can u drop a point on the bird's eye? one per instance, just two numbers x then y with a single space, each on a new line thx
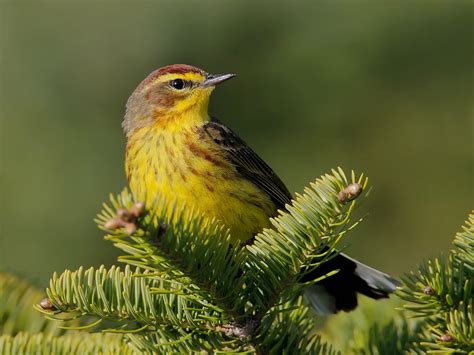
178 84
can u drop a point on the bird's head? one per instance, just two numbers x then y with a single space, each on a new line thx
170 94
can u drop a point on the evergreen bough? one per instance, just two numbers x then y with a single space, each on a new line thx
434 312
186 288
441 293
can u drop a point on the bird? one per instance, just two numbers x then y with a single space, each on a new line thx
175 149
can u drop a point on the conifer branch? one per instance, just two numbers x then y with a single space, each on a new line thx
129 300
181 341
199 290
437 319
187 288
73 343
399 336
25 331
189 249
442 292
302 239
17 298
290 327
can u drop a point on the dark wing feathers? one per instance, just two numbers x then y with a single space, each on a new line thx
248 163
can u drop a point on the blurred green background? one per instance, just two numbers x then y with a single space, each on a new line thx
385 88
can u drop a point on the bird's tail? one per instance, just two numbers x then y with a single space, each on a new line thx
339 291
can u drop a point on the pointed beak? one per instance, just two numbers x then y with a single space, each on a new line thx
214 79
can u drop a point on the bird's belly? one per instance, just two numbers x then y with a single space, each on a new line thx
242 211
204 184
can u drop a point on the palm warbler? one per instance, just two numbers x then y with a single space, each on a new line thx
176 150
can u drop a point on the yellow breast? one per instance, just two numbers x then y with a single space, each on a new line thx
185 167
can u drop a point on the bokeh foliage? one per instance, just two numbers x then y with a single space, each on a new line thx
383 87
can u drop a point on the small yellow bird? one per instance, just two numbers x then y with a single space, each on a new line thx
176 150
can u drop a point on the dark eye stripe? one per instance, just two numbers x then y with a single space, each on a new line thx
180 84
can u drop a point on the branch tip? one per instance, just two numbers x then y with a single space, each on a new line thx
350 193
429 291
46 304
447 338
127 219
239 331
137 209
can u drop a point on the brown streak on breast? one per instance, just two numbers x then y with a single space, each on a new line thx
209 187
190 167
228 176
200 152
169 151
194 171
130 153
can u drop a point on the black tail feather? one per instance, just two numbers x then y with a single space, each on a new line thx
339 291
